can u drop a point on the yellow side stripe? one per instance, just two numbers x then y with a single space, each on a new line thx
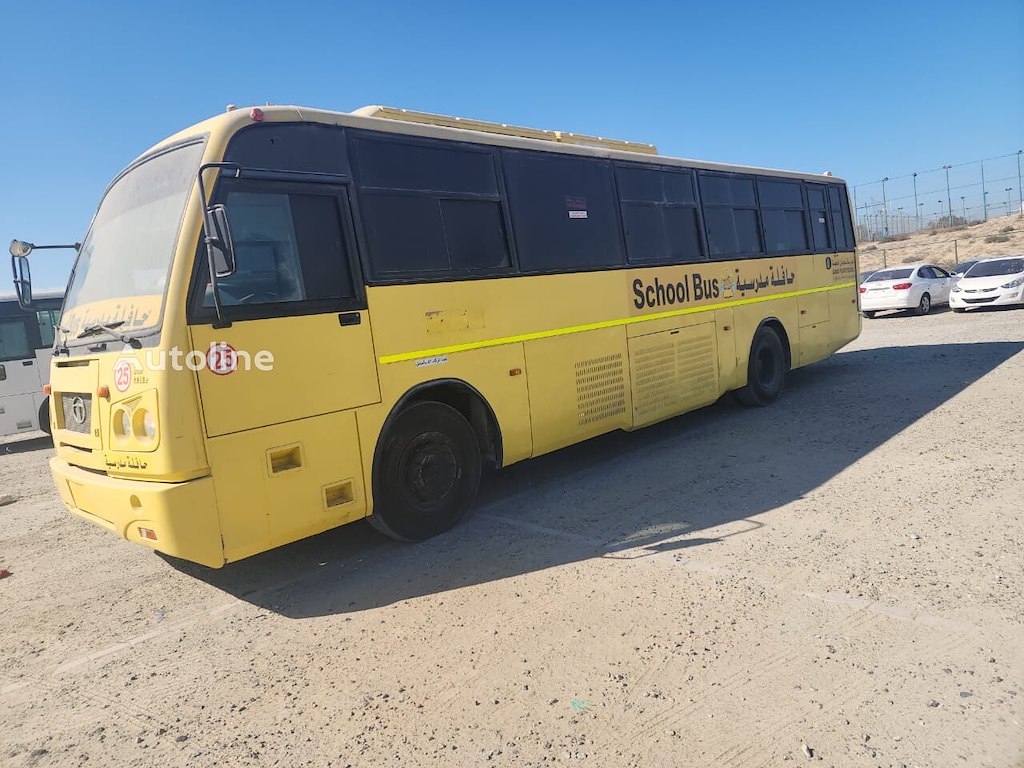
422 353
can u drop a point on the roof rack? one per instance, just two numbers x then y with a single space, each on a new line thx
469 124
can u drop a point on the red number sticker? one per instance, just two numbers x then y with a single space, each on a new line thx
222 358
122 375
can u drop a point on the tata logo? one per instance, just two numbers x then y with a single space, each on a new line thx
78 412
828 262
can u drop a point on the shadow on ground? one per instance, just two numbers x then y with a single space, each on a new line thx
630 494
25 445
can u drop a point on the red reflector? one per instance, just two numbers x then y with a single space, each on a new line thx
256 115
901 286
147 533
863 289
46 389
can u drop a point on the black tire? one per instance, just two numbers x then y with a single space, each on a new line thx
926 304
44 416
426 474
766 369
869 314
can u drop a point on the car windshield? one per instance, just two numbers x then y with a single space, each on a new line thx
889 274
962 267
122 267
996 267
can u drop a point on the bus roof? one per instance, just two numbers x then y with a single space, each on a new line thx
227 123
36 295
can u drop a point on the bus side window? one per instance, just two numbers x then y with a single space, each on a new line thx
820 228
47 318
289 248
14 341
730 215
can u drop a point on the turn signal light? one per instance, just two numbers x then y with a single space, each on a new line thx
47 389
902 286
103 391
147 533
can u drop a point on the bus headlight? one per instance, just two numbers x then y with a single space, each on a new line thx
122 425
145 424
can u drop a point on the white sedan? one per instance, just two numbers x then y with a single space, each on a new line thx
990 283
918 288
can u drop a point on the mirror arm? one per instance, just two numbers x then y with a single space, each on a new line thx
207 240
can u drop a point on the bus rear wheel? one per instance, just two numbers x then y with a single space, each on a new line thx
427 472
766 369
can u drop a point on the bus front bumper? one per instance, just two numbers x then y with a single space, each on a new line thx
178 519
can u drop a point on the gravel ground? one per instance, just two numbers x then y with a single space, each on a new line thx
836 580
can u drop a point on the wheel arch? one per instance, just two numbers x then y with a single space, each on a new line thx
464 398
776 325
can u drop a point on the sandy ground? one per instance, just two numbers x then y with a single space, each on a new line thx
936 246
839 575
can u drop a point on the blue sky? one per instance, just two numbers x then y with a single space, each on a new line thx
866 90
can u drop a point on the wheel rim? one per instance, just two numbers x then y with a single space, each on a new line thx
428 471
765 368
926 303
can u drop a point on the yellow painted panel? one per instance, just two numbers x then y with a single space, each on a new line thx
319 366
264 508
814 343
673 371
845 323
579 387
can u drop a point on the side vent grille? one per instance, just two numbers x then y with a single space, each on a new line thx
600 388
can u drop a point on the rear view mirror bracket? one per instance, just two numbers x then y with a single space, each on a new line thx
220 253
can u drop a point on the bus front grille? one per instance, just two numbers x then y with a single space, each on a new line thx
77 411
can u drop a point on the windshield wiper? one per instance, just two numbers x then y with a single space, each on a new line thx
111 328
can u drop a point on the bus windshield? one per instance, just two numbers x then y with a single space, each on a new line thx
123 265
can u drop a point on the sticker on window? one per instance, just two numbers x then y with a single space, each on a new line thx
577 207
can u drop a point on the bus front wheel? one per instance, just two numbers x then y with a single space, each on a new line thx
766 369
427 472
44 416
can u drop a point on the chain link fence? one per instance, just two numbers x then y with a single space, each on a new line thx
945 197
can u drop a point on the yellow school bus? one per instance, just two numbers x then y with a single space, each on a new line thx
282 320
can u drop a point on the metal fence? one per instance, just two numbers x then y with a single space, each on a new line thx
948 196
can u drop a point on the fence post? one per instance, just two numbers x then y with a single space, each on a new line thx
956 253
885 261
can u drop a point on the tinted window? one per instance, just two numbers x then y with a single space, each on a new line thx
653 185
563 210
779 194
730 216
659 215
290 147
840 217
784 231
432 167
782 211
821 229
889 274
997 267
288 248
14 343
940 272
430 208
727 190
926 272
47 318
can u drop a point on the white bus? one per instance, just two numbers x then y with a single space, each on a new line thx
26 345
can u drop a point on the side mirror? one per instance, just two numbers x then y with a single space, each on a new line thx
219 244
22 279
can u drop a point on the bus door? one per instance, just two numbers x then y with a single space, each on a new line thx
280 383
19 375
814 307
